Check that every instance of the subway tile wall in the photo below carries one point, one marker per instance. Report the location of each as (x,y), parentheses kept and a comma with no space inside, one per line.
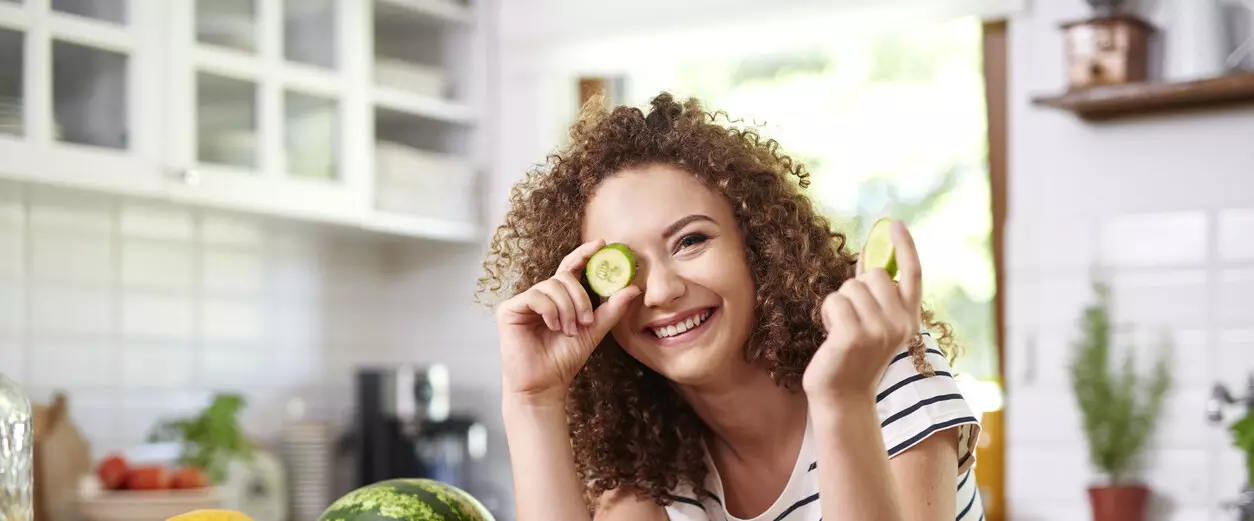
(1164,207)
(140,311)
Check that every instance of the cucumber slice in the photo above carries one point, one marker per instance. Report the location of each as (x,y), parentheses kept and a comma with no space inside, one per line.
(878,251)
(610,269)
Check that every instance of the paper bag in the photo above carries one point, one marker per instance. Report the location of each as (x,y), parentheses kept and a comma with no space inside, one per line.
(62,455)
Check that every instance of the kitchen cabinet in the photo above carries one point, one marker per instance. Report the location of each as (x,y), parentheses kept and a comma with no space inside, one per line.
(275,107)
(72,77)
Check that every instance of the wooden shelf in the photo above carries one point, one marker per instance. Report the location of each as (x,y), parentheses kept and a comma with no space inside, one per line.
(1104,103)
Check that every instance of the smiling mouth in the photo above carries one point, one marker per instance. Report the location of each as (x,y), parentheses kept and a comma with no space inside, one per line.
(681,329)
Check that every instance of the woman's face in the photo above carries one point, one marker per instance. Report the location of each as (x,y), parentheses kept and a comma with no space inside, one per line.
(695,313)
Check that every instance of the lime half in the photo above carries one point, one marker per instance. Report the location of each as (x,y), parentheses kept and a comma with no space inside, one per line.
(879,252)
(610,269)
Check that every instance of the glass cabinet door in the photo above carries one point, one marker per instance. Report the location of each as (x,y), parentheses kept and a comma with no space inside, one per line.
(226,121)
(111,11)
(12,78)
(263,94)
(230,24)
(72,73)
(90,97)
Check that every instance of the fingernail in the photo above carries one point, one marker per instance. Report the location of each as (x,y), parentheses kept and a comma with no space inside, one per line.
(587,317)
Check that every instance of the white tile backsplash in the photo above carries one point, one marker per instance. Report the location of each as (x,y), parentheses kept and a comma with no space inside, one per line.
(1236,286)
(1191,353)
(162,265)
(12,204)
(11,306)
(232,231)
(1141,239)
(66,310)
(1053,419)
(1235,353)
(1030,245)
(158,365)
(50,209)
(1176,297)
(156,222)
(1236,234)
(233,320)
(12,357)
(11,250)
(1053,464)
(233,272)
(235,366)
(1183,422)
(68,257)
(169,316)
(60,363)
(1185,472)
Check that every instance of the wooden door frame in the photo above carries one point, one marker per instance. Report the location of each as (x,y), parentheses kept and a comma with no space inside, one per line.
(995,63)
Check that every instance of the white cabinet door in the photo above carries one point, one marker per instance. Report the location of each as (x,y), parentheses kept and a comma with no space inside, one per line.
(428,87)
(267,103)
(80,96)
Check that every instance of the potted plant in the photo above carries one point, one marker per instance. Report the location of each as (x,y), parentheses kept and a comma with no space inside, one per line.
(1120,410)
(211,439)
(1243,438)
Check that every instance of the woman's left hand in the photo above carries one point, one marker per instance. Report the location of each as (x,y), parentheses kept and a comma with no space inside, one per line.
(867,320)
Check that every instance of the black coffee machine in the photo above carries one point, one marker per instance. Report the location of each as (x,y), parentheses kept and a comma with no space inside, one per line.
(404,428)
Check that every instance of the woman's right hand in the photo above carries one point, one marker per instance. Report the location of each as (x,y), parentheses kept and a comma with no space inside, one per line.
(548,331)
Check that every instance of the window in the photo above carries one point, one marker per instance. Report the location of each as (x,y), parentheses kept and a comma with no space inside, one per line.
(889,123)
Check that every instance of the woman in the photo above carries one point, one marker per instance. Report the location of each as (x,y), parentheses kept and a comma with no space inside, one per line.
(752,370)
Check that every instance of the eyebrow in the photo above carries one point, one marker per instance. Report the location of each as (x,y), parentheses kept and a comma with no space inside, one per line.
(681,223)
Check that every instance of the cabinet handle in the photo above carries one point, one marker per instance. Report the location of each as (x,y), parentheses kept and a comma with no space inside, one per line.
(190,176)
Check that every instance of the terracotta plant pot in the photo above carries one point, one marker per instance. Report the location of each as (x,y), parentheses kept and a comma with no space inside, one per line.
(1119,502)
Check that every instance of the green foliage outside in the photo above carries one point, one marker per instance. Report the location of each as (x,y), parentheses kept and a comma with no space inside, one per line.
(889,123)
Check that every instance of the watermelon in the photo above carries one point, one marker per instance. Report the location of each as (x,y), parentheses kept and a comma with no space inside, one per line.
(407,499)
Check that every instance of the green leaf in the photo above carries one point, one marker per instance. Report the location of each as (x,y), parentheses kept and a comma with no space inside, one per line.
(212,439)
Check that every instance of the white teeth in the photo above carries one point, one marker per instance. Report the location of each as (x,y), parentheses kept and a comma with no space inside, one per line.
(681,326)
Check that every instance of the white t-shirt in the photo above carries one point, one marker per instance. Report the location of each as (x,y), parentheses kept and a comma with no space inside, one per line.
(911,408)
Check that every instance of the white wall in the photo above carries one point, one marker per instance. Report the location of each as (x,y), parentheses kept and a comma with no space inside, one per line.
(1167,204)
(140,310)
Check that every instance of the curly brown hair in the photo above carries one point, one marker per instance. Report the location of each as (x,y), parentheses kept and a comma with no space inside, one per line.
(629,427)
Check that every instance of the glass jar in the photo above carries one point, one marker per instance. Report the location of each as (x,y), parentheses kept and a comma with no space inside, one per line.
(16,453)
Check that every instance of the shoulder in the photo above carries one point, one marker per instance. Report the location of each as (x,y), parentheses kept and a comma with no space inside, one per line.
(914,406)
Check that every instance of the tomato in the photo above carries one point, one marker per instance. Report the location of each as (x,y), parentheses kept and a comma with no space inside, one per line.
(190,477)
(148,478)
(112,472)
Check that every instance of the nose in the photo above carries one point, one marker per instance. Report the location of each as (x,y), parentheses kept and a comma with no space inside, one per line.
(662,285)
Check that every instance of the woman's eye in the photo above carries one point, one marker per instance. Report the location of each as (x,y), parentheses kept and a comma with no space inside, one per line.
(691,240)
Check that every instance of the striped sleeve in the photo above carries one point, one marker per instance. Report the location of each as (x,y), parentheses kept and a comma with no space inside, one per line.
(912,406)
